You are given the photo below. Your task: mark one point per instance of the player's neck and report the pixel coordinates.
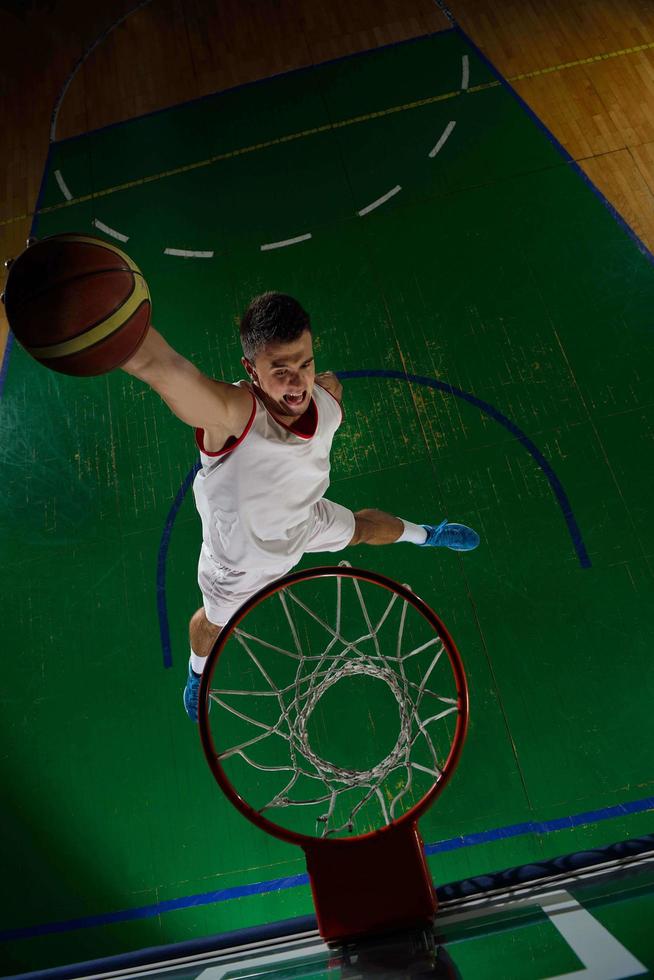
(289, 421)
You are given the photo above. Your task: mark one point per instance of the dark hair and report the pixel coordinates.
(271, 318)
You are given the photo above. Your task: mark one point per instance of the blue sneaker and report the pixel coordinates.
(191, 694)
(456, 537)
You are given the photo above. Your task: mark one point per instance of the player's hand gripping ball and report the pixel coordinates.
(77, 304)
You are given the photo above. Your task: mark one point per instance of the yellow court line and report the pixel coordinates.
(323, 129)
(583, 61)
(246, 149)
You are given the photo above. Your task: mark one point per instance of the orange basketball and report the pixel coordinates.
(77, 304)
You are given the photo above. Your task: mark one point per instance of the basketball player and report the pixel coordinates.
(264, 447)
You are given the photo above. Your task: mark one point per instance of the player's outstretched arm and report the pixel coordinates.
(191, 395)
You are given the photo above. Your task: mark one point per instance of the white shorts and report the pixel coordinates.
(224, 589)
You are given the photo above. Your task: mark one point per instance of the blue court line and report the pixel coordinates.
(497, 416)
(162, 612)
(542, 827)
(5, 361)
(296, 881)
(150, 911)
(488, 409)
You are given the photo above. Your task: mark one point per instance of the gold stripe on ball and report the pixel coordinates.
(93, 336)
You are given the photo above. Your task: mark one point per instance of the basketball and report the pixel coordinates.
(77, 304)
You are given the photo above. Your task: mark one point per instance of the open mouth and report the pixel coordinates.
(295, 399)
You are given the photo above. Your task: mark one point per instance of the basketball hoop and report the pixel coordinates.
(276, 721)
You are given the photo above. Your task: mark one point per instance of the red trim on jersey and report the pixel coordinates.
(199, 435)
(297, 432)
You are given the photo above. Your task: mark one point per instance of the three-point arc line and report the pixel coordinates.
(465, 72)
(556, 486)
(283, 244)
(191, 254)
(184, 253)
(380, 200)
(445, 135)
(63, 187)
(111, 232)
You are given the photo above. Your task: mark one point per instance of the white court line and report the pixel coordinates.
(62, 185)
(443, 139)
(603, 956)
(110, 231)
(288, 241)
(185, 254)
(465, 72)
(380, 200)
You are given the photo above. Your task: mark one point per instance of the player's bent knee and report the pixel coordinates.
(198, 617)
(359, 523)
(200, 622)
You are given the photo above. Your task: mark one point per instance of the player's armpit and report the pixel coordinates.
(329, 381)
(191, 395)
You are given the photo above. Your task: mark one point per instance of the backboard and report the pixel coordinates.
(594, 922)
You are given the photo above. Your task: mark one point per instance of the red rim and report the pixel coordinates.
(416, 811)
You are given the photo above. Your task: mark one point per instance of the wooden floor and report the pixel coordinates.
(586, 67)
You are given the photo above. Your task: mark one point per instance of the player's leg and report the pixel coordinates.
(373, 526)
(224, 590)
(335, 527)
(202, 636)
(220, 588)
(376, 527)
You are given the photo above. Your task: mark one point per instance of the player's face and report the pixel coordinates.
(285, 373)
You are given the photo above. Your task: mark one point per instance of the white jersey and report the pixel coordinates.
(255, 497)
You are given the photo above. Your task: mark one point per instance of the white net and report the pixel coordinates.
(304, 733)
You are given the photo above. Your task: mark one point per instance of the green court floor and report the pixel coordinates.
(492, 320)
